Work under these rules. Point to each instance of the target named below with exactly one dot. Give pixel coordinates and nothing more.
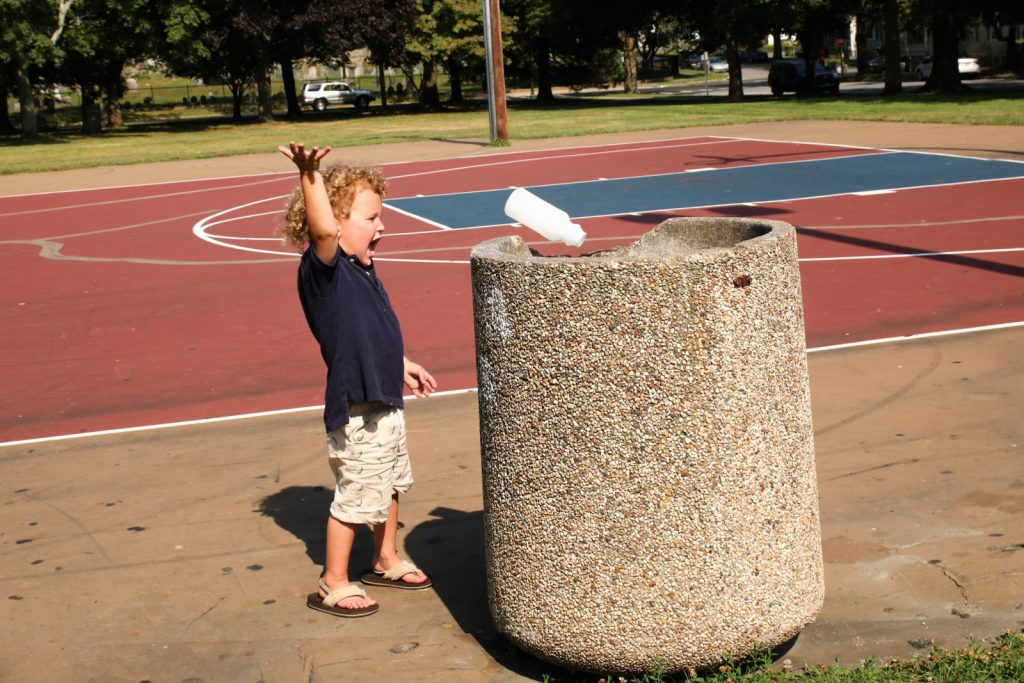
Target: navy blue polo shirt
(351, 317)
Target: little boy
(336, 218)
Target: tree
(384, 30)
(203, 42)
(815, 21)
(575, 41)
(100, 39)
(732, 23)
(449, 33)
(1005, 16)
(893, 60)
(29, 37)
(946, 19)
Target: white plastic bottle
(551, 222)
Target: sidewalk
(186, 553)
(1003, 142)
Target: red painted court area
(160, 303)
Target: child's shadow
(450, 547)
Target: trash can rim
(515, 248)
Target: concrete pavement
(186, 553)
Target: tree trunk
(630, 84)
(893, 70)
(289, 87)
(455, 78)
(812, 43)
(113, 92)
(265, 106)
(91, 116)
(732, 55)
(776, 43)
(544, 92)
(429, 96)
(1012, 49)
(5, 111)
(27, 99)
(861, 42)
(237, 93)
(945, 74)
(382, 84)
(112, 112)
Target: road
(755, 82)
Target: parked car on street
(877, 64)
(754, 56)
(968, 66)
(718, 65)
(695, 60)
(319, 95)
(790, 75)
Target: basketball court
(160, 378)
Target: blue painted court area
(718, 187)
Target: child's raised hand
(307, 161)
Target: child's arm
(419, 380)
(323, 226)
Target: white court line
(881, 149)
(910, 337)
(389, 163)
(189, 423)
(759, 202)
(667, 173)
(419, 218)
(415, 260)
(920, 254)
(123, 200)
(286, 411)
(199, 228)
(656, 141)
(152, 184)
(509, 162)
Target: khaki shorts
(370, 460)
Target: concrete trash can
(648, 459)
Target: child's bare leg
(385, 545)
(340, 536)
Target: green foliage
(611, 113)
(1001, 661)
(27, 29)
(448, 30)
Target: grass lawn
(996, 661)
(197, 138)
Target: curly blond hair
(341, 182)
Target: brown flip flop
(329, 605)
(392, 578)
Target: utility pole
(497, 113)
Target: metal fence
(193, 94)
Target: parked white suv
(319, 95)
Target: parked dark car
(754, 56)
(695, 60)
(790, 75)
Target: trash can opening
(686, 235)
